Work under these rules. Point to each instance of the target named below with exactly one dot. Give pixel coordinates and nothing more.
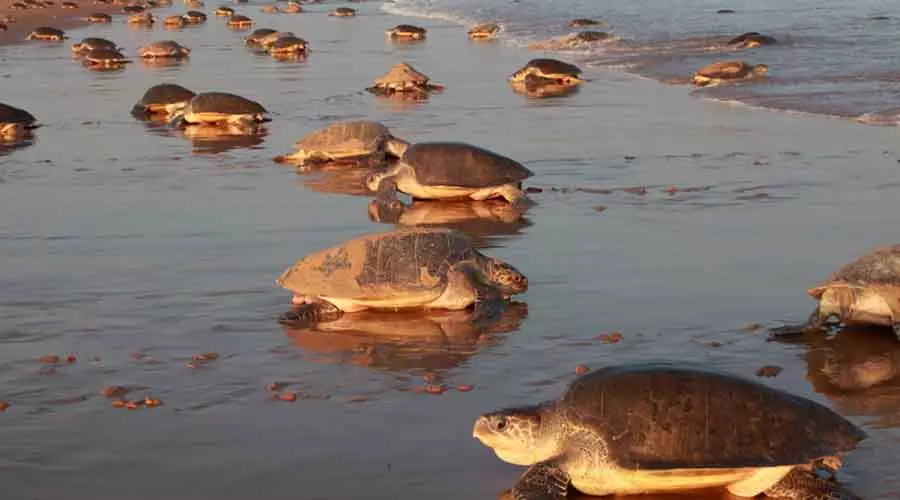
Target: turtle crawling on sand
(15, 122)
(164, 49)
(727, 71)
(91, 43)
(751, 40)
(213, 108)
(484, 31)
(551, 70)
(403, 78)
(165, 98)
(403, 269)
(288, 45)
(580, 39)
(453, 170)
(660, 428)
(47, 34)
(865, 291)
(104, 58)
(354, 143)
(406, 32)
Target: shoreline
(56, 16)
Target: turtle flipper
(542, 481)
(306, 314)
(801, 484)
(814, 323)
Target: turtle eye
(501, 423)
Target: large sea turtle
(865, 291)
(551, 70)
(47, 34)
(406, 32)
(165, 98)
(91, 43)
(104, 59)
(349, 143)
(404, 79)
(14, 121)
(727, 71)
(165, 49)
(483, 31)
(254, 38)
(220, 108)
(453, 170)
(194, 17)
(751, 40)
(404, 269)
(654, 428)
(288, 45)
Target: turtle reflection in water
(858, 369)
(655, 427)
(404, 269)
(213, 139)
(430, 340)
(536, 87)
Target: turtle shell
(460, 164)
(12, 114)
(485, 28)
(225, 103)
(393, 265)
(345, 139)
(104, 55)
(47, 32)
(402, 73)
(546, 66)
(726, 70)
(257, 35)
(163, 48)
(881, 266)
(288, 42)
(91, 43)
(344, 11)
(195, 16)
(407, 29)
(658, 416)
(165, 93)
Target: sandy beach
(685, 224)
(56, 16)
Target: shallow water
(134, 250)
(833, 57)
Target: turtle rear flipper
(307, 314)
(542, 481)
(806, 485)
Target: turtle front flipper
(307, 314)
(815, 323)
(806, 485)
(542, 481)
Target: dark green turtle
(655, 428)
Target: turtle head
(507, 278)
(760, 69)
(519, 436)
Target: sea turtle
(99, 18)
(483, 31)
(239, 21)
(583, 22)
(539, 88)
(403, 78)
(269, 9)
(133, 9)
(357, 143)
(655, 427)
(91, 43)
(403, 269)
(174, 21)
(163, 98)
(224, 11)
(47, 34)
(725, 71)
(104, 58)
(751, 40)
(406, 32)
(865, 291)
(69, 5)
(725, 11)
(575, 40)
(142, 19)
(552, 70)
(453, 170)
(287, 46)
(343, 12)
(18, 6)
(164, 48)
(254, 39)
(15, 121)
(220, 108)
(3, 26)
(293, 8)
(268, 40)
(194, 17)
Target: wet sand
(56, 16)
(140, 248)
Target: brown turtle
(292, 7)
(47, 34)
(224, 11)
(266, 41)
(406, 32)
(165, 98)
(751, 40)
(213, 108)
(662, 428)
(551, 70)
(254, 39)
(483, 31)
(453, 170)
(194, 17)
(15, 122)
(142, 19)
(99, 18)
(354, 143)
(583, 22)
(164, 49)
(174, 21)
(239, 21)
(403, 78)
(288, 45)
(727, 71)
(415, 268)
(104, 58)
(133, 9)
(343, 12)
(91, 43)
(69, 5)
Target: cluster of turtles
(627, 429)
